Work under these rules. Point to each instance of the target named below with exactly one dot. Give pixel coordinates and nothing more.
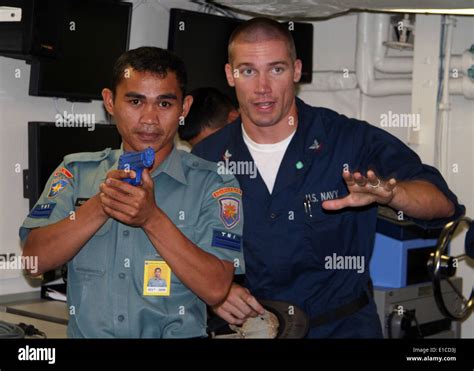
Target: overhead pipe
(383, 63)
(445, 104)
(365, 70)
(370, 56)
(462, 86)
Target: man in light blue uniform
(184, 217)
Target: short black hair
(150, 59)
(262, 29)
(210, 109)
(158, 269)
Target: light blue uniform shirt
(155, 282)
(105, 279)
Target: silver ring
(376, 185)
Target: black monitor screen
(93, 36)
(48, 144)
(201, 41)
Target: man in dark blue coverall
(320, 179)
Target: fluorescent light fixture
(467, 11)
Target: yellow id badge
(156, 278)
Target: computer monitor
(201, 41)
(93, 35)
(49, 143)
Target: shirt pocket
(148, 252)
(91, 260)
(322, 233)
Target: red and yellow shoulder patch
(63, 171)
(60, 181)
(223, 191)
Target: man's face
(158, 274)
(146, 109)
(264, 76)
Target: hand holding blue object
(136, 161)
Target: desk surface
(48, 310)
(51, 329)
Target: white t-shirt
(267, 157)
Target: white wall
(334, 50)
(16, 109)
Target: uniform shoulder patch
(57, 186)
(61, 179)
(224, 190)
(226, 240)
(229, 211)
(42, 210)
(63, 172)
(229, 199)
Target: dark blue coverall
(286, 243)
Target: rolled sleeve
(391, 158)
